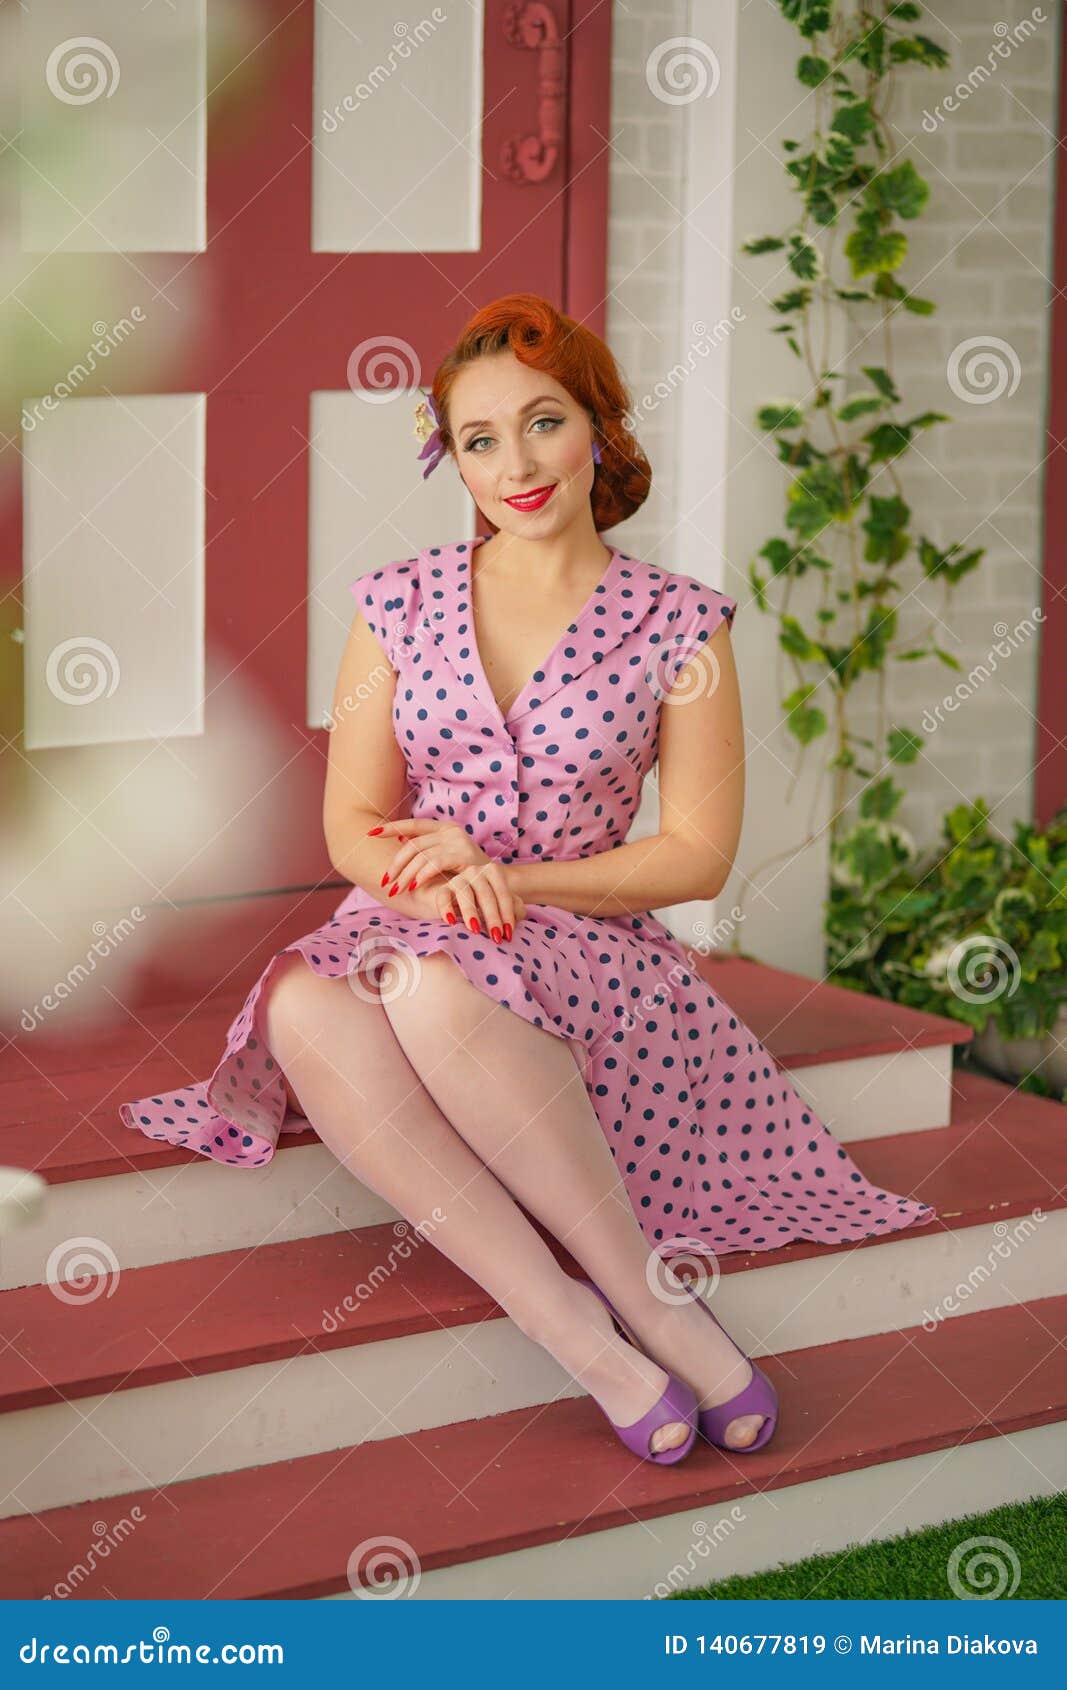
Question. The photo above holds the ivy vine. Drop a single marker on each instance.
(847, 520)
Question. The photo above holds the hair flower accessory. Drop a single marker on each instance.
(428, 430)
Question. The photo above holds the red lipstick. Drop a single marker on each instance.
(531, 501)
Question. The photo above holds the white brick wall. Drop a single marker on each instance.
(987, 237)
(646, 249)
(982, 250)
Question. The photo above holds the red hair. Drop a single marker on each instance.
(544, 339)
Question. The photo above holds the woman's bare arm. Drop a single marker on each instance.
(366, 775)
(702, 796)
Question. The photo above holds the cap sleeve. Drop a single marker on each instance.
(702, 612)
(385, 598)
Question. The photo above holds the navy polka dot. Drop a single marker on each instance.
(713, 1142)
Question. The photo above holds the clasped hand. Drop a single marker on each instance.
(440, 861)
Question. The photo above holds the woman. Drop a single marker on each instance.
(492, 1017)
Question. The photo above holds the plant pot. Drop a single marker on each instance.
(1012, 1058)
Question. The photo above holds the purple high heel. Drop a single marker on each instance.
(757, 1397)
(678, 1402)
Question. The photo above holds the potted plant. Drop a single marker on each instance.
(976, 931)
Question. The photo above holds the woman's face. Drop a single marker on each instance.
(519, 432)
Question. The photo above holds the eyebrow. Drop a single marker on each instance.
(540, 400)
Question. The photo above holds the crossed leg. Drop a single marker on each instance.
(516, 1095)
(346, 1072)
(442, 1097)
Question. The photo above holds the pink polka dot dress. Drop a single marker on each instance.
(713, 1142)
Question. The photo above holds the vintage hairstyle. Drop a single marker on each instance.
(544, 339)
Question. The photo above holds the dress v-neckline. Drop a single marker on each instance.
(474, 657)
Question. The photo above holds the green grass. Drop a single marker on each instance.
(915, 1565)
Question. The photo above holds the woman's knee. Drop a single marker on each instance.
(298, 1003)
(437, 990)
(444, 995)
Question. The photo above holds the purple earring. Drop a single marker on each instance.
(596, 451)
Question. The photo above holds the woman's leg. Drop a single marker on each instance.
(353, 1082)
(515, 1094)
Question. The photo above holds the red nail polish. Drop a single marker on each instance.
(507, 929)
(450, 918)
(496, 934)
(385, 879)
(394, 889)
(473, 924)
(372, 830)
(411, 884)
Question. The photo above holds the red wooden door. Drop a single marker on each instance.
(278, 322)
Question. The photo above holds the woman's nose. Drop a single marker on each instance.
(519, 465)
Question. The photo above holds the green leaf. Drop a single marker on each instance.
(926, 419)
(812, 17)
(762, 243)
(811, 70)
(887, 441)
(882, 380)
(805, 722)
(780, 413)
(957, 568)
(796, 454)
(855, 121)
(881, 798)
(966, 821)
(795, 642)
(815, 498)
(856, 477)
(886, 540)
(869, 46)
(868, 652)
(947, 658)
(904, 745)
(918, 49)
(795, 300)
(860, 406)
(936, 563)
(870, 855)
(872, 249)
(779, 554)
(804, 260)
(900, 189)
(885, 285)
(838, 156)
(822, 207)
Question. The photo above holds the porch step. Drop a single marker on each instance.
(870, 1069)
(877, 1435)
(253, 1355)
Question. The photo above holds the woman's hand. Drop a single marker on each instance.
(441, 867)
(482, 896)
(427, 848)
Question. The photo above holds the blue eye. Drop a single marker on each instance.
(553, 422)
